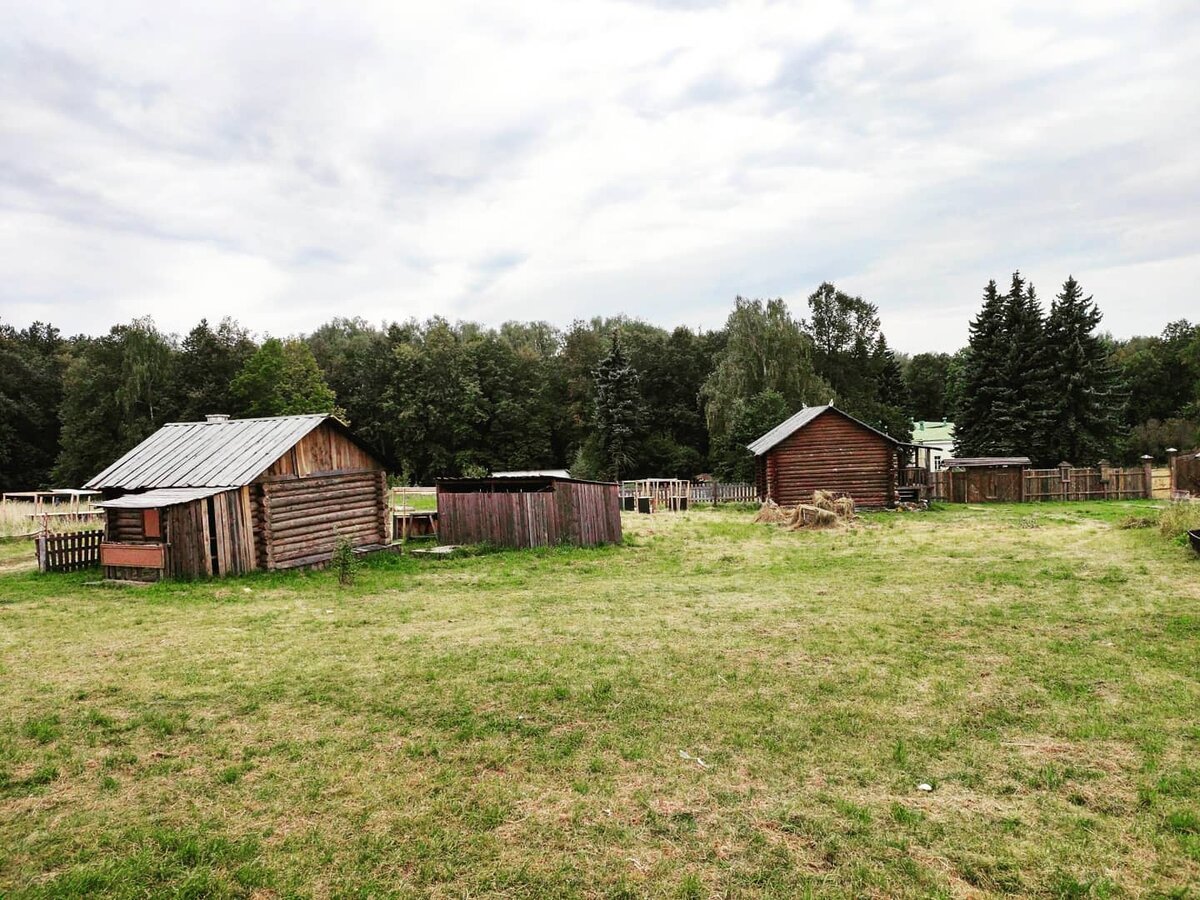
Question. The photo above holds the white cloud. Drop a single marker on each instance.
(284, 163)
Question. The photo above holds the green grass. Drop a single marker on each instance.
(716, 708)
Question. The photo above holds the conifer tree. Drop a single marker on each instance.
(1021, 409)
(1081, 412)
(618, 410)
(982, 375)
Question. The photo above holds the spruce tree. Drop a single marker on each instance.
(618, 411)
(1082, 412)
(975, 432)
(1021, 410)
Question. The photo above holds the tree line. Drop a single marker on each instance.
(607, 397)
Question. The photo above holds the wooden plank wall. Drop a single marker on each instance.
(325, 449)
(1185, 473)
(832, 453)
(581, 514)
(304, 517)
(187, 538)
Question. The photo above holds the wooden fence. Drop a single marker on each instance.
(69, 551)
(1014, 485)
(1104, 483)
(715, 492)
(1185, 473)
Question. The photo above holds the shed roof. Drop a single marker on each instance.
(533, 473)
(984, 462)
(226, 453)
(162, 497)
(788, 427)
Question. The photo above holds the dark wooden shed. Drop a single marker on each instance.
(983, 479)
(226, 496)
(822, 448)
(537, 511)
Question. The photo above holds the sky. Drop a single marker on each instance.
(286, 163)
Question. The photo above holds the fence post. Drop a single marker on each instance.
(1064, 480)
(1172, 452)
(1147, 475)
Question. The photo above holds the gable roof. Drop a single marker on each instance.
(227, 453)
(788, 427)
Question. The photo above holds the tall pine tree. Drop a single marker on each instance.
(982, 377)
(1083, 401)
(1020, 411)
(618, 411)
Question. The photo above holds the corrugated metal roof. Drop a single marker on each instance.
(533, 473)
(977, 462)
(788, 427)
(206, 454)
(161, 497)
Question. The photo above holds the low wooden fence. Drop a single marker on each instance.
(1104, 483)
(1015, 485)
(715, 492)
(69, 551)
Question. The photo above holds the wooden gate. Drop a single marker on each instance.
(70, 551)
(983, 485)
(1187, 473)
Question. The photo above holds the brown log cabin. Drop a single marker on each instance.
(822, 448)
(226, 496)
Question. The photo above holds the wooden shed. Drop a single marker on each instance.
(226, 496)
(528, 511)
(982, 479)
(822, 448)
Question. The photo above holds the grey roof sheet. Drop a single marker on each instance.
(533, 473)
(206, 454)
(977, 462)
(788, 427)
(161, 497)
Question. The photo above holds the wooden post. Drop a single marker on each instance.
(268, 538)
(1147, 476)
(1172, 453)
(1064, 480)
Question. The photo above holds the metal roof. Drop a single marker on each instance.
(161, 497)
(982, 462)
(533, 473)
(207, 454)
(788, 427)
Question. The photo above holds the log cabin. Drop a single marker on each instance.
(822, 448)
(226, 496)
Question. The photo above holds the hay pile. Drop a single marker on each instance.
(825, 511)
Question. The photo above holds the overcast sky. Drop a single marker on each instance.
(287, 163)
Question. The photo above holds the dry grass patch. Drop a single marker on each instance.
(529, 724)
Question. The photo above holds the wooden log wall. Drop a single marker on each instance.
(832, 453)
(304, 517)
(577, 513)
(124, 526)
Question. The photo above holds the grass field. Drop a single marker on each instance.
(717, 708)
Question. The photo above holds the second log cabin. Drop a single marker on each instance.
(822, 448)
(226, 496)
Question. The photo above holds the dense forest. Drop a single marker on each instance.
(607, 397)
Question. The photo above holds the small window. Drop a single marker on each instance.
(151, 527)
